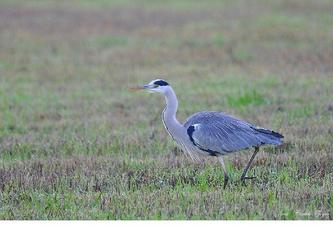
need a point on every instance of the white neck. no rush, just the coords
(172, 125)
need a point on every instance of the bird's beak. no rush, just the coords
(134, 89)
(138, 88)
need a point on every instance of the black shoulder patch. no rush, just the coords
(161, 83)
(190, 131)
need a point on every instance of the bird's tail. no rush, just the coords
(270, 137)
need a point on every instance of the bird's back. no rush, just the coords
(219, 133)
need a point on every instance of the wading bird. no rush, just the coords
(211, 133)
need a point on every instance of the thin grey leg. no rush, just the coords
(246, 169)
(226, 177)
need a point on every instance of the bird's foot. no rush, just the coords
(243, 178)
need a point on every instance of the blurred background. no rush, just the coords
(69, 127)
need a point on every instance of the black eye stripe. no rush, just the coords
(161, 83)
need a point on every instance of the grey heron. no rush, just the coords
(211, 133)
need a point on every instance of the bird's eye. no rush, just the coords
(156, 86)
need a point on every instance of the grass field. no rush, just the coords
(75, 144)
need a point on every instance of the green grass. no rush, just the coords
(248, 98)
(76, 144)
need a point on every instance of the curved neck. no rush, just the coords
(170, 121)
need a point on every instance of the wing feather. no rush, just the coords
(222, 133)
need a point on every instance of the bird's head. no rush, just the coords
(155, 86)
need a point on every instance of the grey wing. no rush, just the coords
(218, 133)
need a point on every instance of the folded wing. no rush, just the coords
(218, 133)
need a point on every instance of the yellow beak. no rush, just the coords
(134, 89)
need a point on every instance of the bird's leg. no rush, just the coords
(226, 179)
(202, 163)
(226, 176)
(244, 177)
